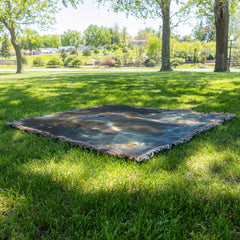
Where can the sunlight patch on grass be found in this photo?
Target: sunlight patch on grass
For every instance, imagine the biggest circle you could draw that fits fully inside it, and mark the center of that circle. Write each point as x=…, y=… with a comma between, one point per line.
x=111, y=98
x=10, y=203
x=15, y=102
x=5, y=207
x=51, y=189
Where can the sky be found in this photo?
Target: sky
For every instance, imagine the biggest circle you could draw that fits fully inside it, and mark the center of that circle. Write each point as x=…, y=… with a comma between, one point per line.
x=88, y=13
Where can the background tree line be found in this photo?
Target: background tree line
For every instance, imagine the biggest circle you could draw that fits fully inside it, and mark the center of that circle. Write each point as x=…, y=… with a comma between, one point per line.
x=17, y=15
x=196, y=48
x=94, y=36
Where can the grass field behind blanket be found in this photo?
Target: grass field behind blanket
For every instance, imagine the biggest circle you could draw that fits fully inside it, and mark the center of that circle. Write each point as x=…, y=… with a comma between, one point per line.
x=52, y=190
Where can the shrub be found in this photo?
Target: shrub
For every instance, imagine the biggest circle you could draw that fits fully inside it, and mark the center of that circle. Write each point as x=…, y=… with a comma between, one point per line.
x=180, y=54
x=203, y=59
x=175, y=64
x=211, y=57
x=138, y=62
x=54, y=62
x=154, y=48
x=96, y=50
x=150, y=62
x=122, y=45
x=68, y=60
x=125, y=50
x=236, y=54
x=76, y=62
x=73, y=61
x=24, y=60
x=38, y=62
x=63, y=54
x=118, y=52
x=74, y=51
x=126, y=59
x=131, y=46
x=105, y=52
x=86, y=52
x=97, y=62
x=195, y=56
x=109, y=48
x=178, y=60
x=119, y=60
x=109, y=61
x=115, y=46
x=130, y=63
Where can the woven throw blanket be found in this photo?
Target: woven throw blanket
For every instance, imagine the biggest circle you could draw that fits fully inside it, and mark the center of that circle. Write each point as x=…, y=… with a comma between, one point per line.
x=122, y=130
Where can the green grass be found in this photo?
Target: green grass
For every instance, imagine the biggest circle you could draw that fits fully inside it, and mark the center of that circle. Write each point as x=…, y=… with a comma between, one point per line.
x=53, y=190
x=8, y=67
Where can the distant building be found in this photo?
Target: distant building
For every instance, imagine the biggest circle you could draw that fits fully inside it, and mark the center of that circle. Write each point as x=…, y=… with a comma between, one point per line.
x=67, y=48
x=48, y=50
x=33, y=52
x=137, y=43
x=82, y=48
x=102, y=47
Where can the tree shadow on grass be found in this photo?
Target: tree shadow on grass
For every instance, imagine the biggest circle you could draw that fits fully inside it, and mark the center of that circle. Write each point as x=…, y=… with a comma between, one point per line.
x=68, y=90
x=61, y=93
x=37, y=95
x=43, y=206
x=110, y=198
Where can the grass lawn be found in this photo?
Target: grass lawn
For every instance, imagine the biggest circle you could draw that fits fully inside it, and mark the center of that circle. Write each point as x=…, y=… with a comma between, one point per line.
x=53, y=190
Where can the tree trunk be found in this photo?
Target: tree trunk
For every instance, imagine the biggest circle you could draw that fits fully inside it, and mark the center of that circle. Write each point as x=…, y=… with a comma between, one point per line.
x=165, y=8
x=221, y=12
x=17, y=48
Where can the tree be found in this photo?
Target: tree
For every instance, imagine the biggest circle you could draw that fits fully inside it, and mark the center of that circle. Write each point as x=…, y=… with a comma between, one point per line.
x=63, y=54
x=154, y=48
x=15, y=15
x=31, y=41
x=144, y=35
x=72, y=38
x=51, y=41
x=234, y=25
x=124, y=35
x=221, y=10
x=5, y=50
x=205, y=32
x=186, y=38
x=115, y=35
x=97, y=36
x=144, y=9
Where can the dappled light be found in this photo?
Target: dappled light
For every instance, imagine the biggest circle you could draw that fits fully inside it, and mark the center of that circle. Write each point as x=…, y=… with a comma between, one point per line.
x=51, y=188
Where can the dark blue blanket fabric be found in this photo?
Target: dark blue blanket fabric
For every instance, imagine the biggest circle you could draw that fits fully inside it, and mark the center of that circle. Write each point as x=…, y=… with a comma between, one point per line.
x=123, y=130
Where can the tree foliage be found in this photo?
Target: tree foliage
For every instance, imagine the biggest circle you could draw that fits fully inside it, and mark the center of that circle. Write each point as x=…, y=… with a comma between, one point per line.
x=31, y=40
x=205, y=32
x=50, y=41
x=5, y=49
x=17, y=15
x=97, y=36
x=145, y=34
x=145, y=9
x=115, y=35
x=154, y=48
x=220, y=10
x=22, y=13
x=234, y=25
x=71, y=38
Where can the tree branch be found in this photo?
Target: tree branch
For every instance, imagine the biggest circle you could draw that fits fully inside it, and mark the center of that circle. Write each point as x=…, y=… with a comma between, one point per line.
x=5, y=23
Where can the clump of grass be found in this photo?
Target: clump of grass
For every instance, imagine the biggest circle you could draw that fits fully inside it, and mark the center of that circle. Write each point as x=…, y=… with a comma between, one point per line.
x=53, y=190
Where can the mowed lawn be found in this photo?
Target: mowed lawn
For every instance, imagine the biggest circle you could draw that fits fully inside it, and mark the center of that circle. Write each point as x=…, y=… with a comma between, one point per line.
x=52, y=190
